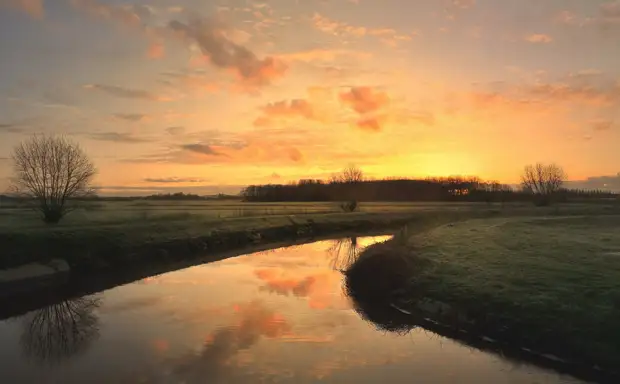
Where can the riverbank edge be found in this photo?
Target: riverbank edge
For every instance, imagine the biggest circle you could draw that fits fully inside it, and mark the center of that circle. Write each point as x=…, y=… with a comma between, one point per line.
x=110, y=258
x=449, y=316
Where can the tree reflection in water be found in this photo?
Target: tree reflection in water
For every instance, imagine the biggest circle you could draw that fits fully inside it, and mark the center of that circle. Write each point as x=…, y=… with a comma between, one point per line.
x=378, y=287
x=343, y=253
x=60, y=331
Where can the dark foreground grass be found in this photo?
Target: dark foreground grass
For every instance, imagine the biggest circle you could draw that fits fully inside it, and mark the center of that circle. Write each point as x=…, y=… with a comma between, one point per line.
x=98, y=247
x=547, y=284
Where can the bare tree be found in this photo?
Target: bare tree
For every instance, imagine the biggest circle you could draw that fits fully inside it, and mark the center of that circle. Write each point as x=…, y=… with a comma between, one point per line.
x=543, y=180
x=351, y=174
x=49, y=171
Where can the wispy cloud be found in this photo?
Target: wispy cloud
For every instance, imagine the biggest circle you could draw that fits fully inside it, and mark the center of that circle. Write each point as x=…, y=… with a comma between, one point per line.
x=223, y=53
x=608, y=16
x=388, y=36
x=175, y=180
x=287, y=109
x=130, y=15
x=610, y=183
x=538, y=38
x=118, y=137
x=127, y=92
x=156, y=50
x=11, y=128
x=602, y=125
x=133, y=117
x=202, y=149
x=33, y=8
x=463, y=4
x=176, y=130
x=364, y=99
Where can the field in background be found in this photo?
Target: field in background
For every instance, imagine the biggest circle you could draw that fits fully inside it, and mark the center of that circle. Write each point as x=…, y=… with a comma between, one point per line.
x=124, y=212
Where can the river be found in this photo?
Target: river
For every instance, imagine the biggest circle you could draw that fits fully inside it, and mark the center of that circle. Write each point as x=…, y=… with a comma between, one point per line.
x=279, y=316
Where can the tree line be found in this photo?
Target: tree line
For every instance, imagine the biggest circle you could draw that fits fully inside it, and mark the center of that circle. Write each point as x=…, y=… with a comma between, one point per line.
x=50, y=172
x=540, y=184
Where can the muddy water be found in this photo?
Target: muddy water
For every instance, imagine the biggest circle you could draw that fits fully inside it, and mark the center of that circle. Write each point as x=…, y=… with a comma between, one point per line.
x=277, y=317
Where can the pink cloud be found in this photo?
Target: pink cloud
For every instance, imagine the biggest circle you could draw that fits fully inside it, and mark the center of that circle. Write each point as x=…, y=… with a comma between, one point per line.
x=33, y=8
x=156, y=50
x=225, y=54
x=364, y=99
x=539, y=38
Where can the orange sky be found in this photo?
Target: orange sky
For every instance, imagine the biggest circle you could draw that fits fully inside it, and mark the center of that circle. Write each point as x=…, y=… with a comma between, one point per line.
x=213, y=95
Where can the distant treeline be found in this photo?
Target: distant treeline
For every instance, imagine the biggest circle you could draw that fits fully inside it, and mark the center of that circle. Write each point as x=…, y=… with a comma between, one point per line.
x=179, y=196
x=430, y=189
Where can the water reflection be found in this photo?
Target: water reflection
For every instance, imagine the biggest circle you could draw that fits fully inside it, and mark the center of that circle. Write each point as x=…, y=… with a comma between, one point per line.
x=279, y=316
x=253, y=321
x=343, y=253
x=60, y=331
x=378, y=288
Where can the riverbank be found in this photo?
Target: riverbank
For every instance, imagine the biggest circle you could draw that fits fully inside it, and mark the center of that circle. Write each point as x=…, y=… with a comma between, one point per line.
x=94, y=247
x=546, y=284
x=30, y=258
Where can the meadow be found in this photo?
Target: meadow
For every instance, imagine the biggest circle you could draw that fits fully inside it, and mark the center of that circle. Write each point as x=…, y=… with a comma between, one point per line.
x=546, y=283
x=143, y=211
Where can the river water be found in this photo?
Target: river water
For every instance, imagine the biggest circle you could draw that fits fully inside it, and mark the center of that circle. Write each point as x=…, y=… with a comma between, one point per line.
x=279, y=316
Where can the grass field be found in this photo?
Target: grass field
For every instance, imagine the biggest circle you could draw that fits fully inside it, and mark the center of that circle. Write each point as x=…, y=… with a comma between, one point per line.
x=129, y=212
x=549, y=283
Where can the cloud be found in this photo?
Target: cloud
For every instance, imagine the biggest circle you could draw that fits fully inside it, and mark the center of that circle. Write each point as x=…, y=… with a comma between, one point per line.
x=133, y=117
x=226, y=54
x=130, y=15
x=12, y=128
x=323, y=55
x=538, y=38
x=156, y=50
x=602, y=125
x=253, y=321
x=608, y=16
x=566, y=17
x=117, y=137
x=176, y=130
x=175, y=180
x=463, y=4
x=388, y=36
x=126, y=92
x=202, y=149
x=364, y=99
x=608, y=183
x=314, y=286
x=295, y=155
x=582, y=88
x=611, y=11
x=370, y=123
x=34, y=8
x=287, y=109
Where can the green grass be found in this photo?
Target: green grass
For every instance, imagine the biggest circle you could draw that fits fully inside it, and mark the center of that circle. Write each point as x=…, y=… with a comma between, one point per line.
x=551, y=283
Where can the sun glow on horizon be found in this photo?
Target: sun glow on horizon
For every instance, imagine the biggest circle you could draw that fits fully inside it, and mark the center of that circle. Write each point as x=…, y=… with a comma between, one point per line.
x=225, y=94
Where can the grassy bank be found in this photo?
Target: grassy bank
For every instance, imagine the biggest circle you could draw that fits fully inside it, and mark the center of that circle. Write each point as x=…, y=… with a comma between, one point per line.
x=98, y=247
x=549, y=284
x=163, y=234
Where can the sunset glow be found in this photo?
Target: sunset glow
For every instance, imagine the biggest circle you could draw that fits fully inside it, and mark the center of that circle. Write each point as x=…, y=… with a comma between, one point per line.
x=211, y=96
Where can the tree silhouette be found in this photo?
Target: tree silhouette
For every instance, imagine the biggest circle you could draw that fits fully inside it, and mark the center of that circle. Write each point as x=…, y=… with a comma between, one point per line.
x=60, y=331
x=543, y=180
x=49, y=171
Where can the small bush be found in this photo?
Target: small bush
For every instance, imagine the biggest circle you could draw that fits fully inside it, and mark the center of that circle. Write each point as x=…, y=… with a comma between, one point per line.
x=349, y=206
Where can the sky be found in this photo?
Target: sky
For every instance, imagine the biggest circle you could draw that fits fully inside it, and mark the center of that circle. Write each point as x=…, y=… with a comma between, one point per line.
x=210, y=96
